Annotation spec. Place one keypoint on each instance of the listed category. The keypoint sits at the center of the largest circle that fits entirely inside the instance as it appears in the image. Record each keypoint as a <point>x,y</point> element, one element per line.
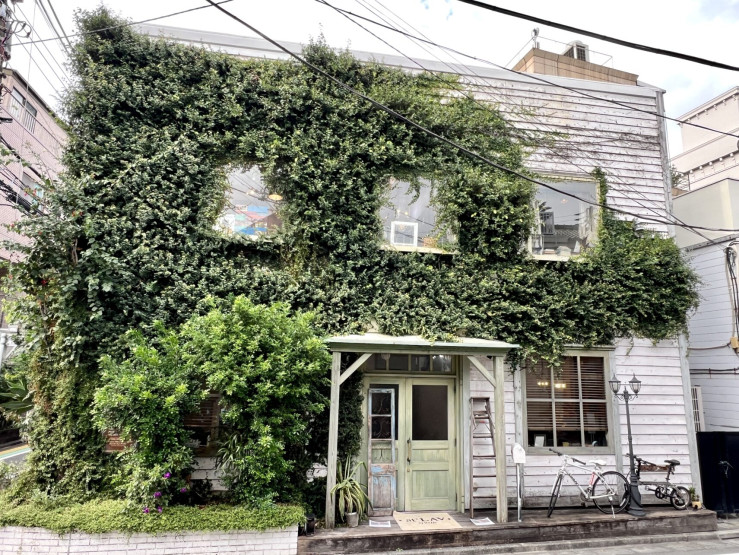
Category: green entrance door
<point>423,474</point>
<point>430,454</point>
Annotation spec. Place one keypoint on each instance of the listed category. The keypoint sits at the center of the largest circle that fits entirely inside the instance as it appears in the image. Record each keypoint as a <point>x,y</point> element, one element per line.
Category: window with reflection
<point>567,406</point>
<point>565,225</point>
<point>409,219</point>
<point>431,364</point>
<point>251,209</point>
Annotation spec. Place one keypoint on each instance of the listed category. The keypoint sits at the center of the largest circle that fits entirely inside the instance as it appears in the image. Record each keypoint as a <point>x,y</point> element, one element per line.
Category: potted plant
<point>352,496</point>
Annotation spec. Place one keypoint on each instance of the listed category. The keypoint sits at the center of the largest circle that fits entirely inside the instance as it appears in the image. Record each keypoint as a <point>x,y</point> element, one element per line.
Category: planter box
<point>15,540</point>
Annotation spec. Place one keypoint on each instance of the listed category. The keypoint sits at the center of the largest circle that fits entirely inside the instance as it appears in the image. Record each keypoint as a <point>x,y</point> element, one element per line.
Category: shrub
<point>272,372</point>
<point>144,399</point>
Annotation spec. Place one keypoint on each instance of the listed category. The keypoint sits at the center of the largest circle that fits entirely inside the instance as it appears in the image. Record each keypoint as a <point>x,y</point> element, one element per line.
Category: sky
<point>704,28</point>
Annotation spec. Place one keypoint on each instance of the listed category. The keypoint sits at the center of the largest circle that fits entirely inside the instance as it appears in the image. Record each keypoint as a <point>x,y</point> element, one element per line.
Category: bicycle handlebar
<point>561,454</point>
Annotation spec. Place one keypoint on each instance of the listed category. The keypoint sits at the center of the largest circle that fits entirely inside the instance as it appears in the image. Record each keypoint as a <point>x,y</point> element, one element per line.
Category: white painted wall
<point>711,328</point>
<point>658,421</point>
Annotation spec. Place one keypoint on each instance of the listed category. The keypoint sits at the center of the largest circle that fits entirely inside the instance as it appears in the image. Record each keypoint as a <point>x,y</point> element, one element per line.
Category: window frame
<point>29,114</point>
<point>561,182</point>
<point>612,420</point>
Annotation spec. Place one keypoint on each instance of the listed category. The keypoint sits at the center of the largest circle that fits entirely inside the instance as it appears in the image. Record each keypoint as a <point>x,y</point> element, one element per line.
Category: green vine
<point>129,235</point>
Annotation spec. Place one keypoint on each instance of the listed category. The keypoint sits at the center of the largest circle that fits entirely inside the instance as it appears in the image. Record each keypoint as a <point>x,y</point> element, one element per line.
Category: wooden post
<point>500,447</point>
<point>333,439</point>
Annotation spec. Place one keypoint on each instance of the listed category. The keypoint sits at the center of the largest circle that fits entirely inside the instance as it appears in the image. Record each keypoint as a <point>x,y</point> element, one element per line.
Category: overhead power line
<point>531,76</point>
<point>438,137</point>
<point>64,34</point>
<point>123,24</point>
<point>629,44</point>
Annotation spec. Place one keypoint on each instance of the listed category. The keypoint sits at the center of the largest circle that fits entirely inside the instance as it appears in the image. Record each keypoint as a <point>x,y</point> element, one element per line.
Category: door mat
<point>425,521</point>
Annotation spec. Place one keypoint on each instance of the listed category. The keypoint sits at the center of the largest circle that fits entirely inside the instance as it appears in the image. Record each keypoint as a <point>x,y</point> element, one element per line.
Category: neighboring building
<point>709,197</point>
<point>33,141</point>
<point>572,409</point>
<point>708,156</point>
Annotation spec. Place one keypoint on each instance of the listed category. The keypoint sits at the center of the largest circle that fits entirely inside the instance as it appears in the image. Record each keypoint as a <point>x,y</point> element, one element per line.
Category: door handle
<point>409,446</point>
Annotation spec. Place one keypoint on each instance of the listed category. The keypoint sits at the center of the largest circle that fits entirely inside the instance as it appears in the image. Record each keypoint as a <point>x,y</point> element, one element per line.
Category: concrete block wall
<point>16,540</point>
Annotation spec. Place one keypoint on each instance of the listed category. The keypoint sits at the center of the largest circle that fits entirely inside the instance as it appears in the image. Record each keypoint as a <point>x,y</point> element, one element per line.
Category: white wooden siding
<point>712,326</point>
<point>658,423</point>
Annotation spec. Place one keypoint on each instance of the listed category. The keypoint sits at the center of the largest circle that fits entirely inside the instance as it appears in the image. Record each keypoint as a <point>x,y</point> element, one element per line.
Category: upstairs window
<point>409,219</point>
<point>252,209</point>
<point>22,110</point>
<point>565,226</point>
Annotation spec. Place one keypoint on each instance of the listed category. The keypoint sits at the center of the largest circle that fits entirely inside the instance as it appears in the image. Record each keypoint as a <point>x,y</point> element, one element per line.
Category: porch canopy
<point>374,343</point>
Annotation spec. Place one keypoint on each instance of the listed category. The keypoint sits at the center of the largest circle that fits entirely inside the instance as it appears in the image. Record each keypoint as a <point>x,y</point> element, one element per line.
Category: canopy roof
<point>415,344</point>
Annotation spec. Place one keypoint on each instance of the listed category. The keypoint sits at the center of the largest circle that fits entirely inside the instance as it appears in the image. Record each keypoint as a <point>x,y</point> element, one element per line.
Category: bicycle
<point>609,490</point>
<point>679,496</point>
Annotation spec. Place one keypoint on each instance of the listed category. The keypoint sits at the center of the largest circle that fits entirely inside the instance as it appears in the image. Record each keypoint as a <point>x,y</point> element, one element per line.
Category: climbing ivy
<point>128,237</point>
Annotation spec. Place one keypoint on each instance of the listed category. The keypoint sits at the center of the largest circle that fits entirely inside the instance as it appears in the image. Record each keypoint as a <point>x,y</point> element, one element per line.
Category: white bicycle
<point>609,490</point>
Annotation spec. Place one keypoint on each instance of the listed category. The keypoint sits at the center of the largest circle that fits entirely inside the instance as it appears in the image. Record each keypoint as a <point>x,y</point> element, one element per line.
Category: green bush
<point>145,399</point>
<point>101,516</point>
<point>272,372</point>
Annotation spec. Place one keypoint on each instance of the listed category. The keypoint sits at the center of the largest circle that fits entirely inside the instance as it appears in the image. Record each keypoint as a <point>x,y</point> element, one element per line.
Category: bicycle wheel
<point>555,495</point>
<point>680,498</point>
<point>611,492</point>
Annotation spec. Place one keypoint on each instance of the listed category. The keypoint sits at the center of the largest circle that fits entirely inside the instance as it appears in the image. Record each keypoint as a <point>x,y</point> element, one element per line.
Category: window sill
<point>557,257</point>
<point>411,248</point>
<point>574,451</point>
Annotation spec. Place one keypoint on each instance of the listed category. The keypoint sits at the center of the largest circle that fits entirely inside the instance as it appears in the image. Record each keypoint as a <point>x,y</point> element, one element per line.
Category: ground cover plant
<point>129,239</point>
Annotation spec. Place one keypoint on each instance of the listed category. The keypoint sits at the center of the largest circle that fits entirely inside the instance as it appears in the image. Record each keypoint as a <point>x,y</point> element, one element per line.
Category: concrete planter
<point>15,540</point>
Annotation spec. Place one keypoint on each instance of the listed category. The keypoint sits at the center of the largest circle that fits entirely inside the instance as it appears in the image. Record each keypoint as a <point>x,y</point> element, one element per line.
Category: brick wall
<point>17,540</point>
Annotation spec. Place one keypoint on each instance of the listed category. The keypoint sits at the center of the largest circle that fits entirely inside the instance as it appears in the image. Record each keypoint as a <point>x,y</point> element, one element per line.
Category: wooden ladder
<point>481,426</point>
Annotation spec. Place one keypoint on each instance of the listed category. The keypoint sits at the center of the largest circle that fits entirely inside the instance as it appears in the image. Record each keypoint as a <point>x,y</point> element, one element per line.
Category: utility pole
<point>9,26</point>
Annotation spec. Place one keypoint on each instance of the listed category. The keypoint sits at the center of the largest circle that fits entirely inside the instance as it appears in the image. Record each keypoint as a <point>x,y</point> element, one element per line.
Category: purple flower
<point>167,475</point>
<point>157,494</point>
<point>183,490</point>
<point>146,510</point>
<point>159,509</point>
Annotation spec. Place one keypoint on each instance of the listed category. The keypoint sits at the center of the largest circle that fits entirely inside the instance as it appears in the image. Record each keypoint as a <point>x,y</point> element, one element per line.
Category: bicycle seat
<point>673,462</point>
<point>599,462</point>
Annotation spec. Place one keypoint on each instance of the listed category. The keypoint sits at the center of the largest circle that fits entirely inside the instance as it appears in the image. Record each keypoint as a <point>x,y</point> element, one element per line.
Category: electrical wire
<point>53,11</point>
<point>124,24</point>
<point>438,137</point>
<point>540,79</point>
<point>629,44</point>
<point>51,54</point>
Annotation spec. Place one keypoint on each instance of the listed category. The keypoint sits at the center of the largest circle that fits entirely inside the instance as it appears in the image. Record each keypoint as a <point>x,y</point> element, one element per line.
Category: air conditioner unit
<point>404,233</point>
<point>578,51</point>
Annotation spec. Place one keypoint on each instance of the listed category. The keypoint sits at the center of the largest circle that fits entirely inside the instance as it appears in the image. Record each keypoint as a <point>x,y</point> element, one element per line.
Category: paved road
<point>712,547</point>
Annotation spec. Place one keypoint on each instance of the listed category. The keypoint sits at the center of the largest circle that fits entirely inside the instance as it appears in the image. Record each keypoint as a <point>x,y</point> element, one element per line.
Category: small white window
<point>404,233</point>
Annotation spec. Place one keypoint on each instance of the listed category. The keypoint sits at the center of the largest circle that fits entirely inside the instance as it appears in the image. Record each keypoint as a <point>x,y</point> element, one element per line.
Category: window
<point>409,219</point>
<point>251,210</point>
<point>567,406</point>
<point>22,110</point>
<point>434,364</point>
<point>31,187</point>
<point>564,225</point>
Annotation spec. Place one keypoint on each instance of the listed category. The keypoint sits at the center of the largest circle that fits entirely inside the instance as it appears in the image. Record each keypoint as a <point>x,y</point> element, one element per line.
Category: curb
<point>537,547</point>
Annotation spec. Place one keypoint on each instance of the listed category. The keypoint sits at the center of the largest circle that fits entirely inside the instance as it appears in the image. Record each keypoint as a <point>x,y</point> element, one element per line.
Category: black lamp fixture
<point>635,508</point>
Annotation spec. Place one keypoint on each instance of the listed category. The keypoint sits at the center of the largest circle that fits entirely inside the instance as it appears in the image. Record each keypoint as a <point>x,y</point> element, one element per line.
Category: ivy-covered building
<point>445,232</point>
<point>418,394</point>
